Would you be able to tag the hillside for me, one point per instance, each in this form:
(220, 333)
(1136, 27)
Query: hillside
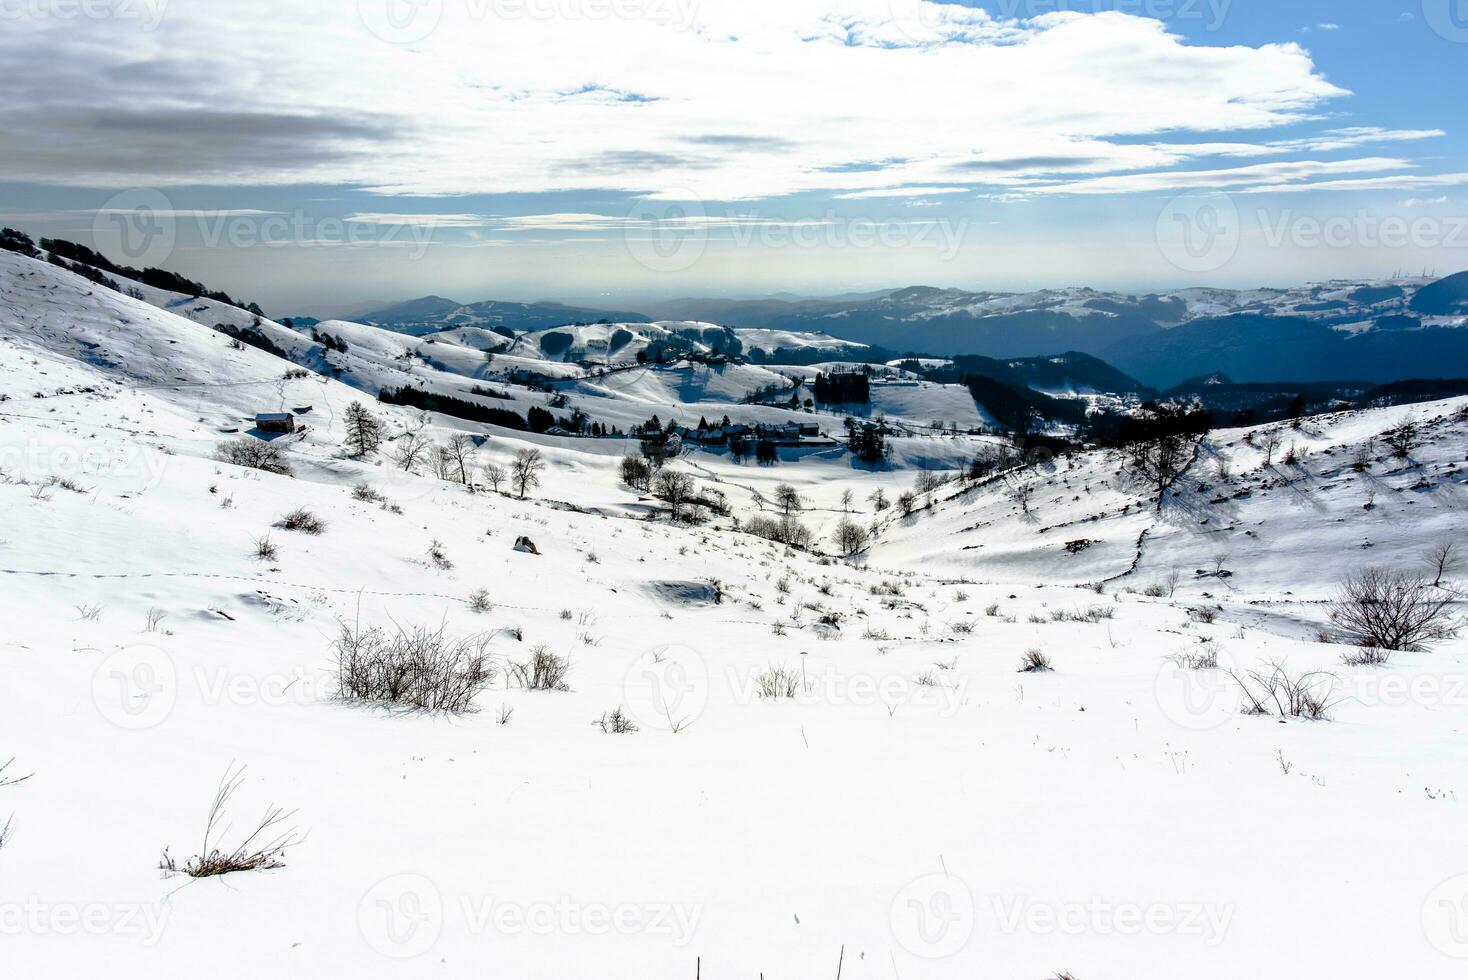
(152, 648)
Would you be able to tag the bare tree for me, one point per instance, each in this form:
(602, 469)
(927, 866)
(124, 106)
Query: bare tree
(878, 500)
(1393, 610)
(1021, 492)
(1403, 438)
(1441, 560)
(458, 454)
(636, 472)
(787, 498)
(409, 451)
(1270, 446)
(673, 487)
(1162, 460)
(847, 499)
(494, 475)
(525, 470)
(850, 537)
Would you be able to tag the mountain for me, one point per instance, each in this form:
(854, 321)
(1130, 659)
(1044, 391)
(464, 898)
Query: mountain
(1446, 297)
(1378, 331)
(430, 314)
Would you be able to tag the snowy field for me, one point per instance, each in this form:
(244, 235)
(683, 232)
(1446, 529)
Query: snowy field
(837, 765)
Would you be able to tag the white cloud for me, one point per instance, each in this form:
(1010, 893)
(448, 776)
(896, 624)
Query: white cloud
(750, 99)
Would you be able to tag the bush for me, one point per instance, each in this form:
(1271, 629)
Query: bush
(1034, 661)
(778, 682)
(264, 848)
(254, 454)
(418, 668)
(1393, 610)
(1366, 657)
(479, 601)
(365, 493)
(304, 521)
(264, 549)
(544, 671)
(615, 723)
(1305, 695)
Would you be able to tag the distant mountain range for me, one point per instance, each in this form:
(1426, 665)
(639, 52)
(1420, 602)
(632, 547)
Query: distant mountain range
(431, 314)
(1377, 331)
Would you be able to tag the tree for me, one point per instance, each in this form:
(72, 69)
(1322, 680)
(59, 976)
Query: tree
(1441, 560)
(494, 475)
(878, 500)
(525, 470)
(1022, 492)
(1392, 610)
(850, 537)
(635, 472)
(847, 499)
(906, 502)
(787, 498)
(1161, 460)
(457, 454)
(364, 431)
(1403, 438)
(673, 487)
(409, 451)
(1270, 446)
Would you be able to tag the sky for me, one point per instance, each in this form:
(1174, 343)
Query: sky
(324, 157)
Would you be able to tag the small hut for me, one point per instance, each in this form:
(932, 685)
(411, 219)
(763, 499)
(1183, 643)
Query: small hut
(275, 422)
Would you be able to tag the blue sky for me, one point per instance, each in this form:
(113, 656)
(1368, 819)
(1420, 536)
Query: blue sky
(619, 150)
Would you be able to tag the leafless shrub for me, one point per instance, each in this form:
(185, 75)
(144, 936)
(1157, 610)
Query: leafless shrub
(155, 620)
(419, 668)
(1203, 658)
(1366, 657)
(778, 682)
(505, 714)
(962, 627)
(302, 520)
(479, 601)
(88, 614)
(1274, 690)
(1155, 590)
(1035, 661)
(544, 671)
(1202, 614)
(615, 722)
(253, 453)
(438, 555)
(992, 609)
(1394, 610)
(264, 848)
(264, 548)
(366, 493)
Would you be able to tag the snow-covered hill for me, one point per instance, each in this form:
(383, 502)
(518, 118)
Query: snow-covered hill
(917, 808)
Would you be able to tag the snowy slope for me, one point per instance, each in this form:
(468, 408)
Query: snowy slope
(920, 809)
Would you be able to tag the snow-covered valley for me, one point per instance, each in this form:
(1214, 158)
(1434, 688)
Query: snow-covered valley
(761, 760)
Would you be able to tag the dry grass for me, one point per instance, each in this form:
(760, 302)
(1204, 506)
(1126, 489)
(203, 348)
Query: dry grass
(264, 848)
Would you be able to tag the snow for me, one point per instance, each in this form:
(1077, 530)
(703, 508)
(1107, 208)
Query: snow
(921, 809)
